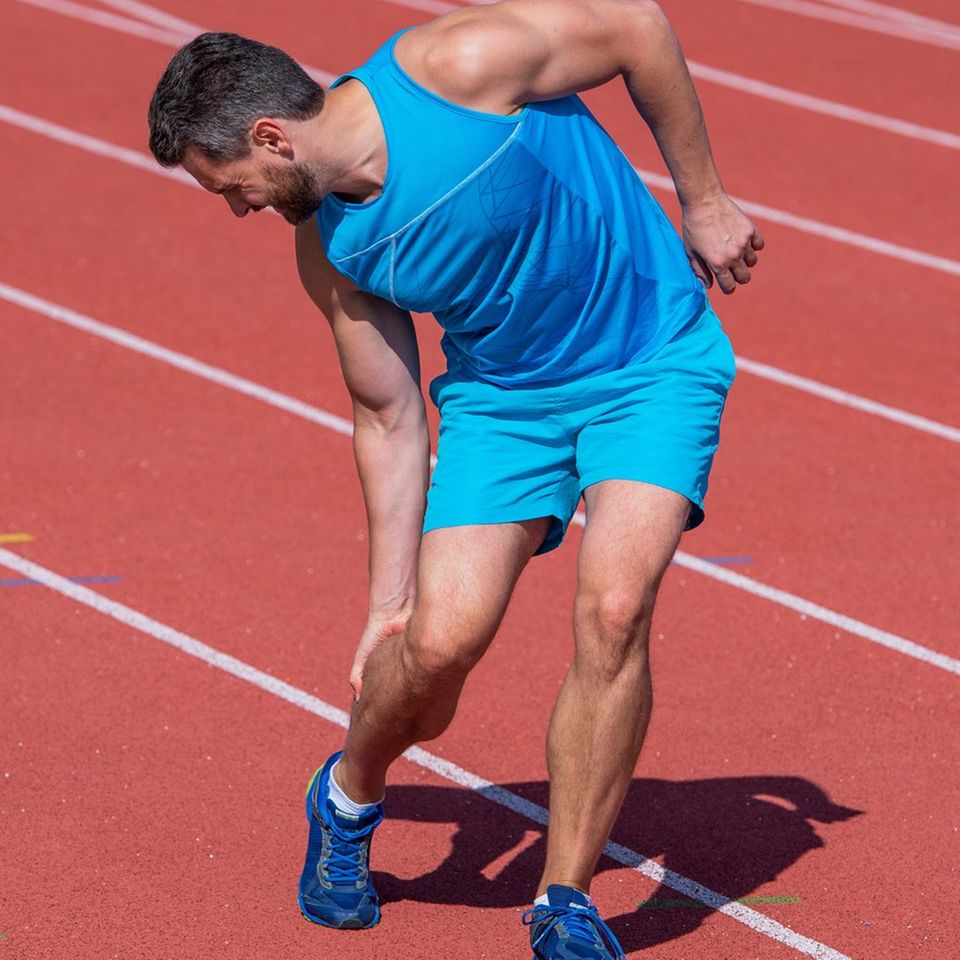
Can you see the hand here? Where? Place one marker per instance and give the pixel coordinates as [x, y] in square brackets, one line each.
[721, 241]
[378, 629]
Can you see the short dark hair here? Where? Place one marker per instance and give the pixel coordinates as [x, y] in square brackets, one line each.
[216, 87]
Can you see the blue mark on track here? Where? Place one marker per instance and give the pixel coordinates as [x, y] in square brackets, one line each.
[728, 561]
[23, 582]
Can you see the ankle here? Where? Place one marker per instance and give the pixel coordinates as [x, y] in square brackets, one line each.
[353, 792]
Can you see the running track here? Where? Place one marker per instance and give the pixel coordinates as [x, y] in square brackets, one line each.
[150, 801]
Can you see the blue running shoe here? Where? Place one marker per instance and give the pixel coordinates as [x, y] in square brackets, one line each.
[569, 928]
[335, 888]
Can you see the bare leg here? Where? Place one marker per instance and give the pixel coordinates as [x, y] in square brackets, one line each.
[412, 683]
[603, 709]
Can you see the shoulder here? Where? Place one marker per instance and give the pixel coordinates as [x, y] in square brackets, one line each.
[498, 56]
[475, 56]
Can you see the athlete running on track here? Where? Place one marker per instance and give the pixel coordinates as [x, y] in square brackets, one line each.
[457, 173]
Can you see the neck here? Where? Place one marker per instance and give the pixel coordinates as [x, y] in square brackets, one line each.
[349, 136]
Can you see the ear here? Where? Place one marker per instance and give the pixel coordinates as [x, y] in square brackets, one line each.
[271, 135]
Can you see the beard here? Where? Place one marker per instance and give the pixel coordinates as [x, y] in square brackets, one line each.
[296, 192]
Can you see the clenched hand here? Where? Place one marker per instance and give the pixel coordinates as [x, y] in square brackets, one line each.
[721, 241]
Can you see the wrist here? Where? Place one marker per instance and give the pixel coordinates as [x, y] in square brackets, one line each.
[394, 608]
[701, 198]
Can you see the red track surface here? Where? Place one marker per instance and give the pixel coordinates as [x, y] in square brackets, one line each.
[151, 804]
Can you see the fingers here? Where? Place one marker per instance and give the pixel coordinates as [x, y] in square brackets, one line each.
[702, 269]
[726, 281]
[356, 681]
[740, 272]
[737, 272]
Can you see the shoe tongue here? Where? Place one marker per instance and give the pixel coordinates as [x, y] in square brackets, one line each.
[561, 896]
[348, 821]
[352, 823]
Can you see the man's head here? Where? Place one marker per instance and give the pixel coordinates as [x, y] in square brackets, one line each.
[224, 109]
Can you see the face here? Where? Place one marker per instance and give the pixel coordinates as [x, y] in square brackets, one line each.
[252, 184]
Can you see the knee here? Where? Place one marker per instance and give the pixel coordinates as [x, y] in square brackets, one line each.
[618, 613]
[612, 627]
[434, 652]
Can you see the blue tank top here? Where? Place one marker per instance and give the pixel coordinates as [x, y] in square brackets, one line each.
[529, 237]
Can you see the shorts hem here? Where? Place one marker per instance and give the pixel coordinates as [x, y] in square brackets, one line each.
[552, 539]
[697, 513]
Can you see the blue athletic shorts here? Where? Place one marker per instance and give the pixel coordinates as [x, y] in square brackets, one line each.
[518, 454]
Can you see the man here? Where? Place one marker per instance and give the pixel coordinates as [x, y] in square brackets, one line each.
[457, 173]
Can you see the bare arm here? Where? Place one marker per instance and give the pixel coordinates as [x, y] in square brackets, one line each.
[501, 56]
[378, 354]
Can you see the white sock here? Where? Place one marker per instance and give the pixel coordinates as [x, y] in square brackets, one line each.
[343, 803]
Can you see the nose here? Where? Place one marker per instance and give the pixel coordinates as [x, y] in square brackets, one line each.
[238, 207]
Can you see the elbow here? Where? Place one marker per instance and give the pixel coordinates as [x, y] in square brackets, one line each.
[395, 420]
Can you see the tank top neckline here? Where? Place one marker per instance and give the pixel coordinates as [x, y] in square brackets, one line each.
[358, 206]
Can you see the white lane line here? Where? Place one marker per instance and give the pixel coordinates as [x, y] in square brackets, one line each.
[845, 399]
[818, 228]
[921, 33]
[725, 78]
[885, 11]
[829, 108]
[444, 768]
[807, 609]
[802, 224]
[289, 404]
[147, 31]
[173, 358]
[112, 21]
[73, 138]
[770, 91]
[151, 14]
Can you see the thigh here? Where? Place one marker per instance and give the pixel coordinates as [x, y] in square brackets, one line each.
[631, 534]
[466, 577]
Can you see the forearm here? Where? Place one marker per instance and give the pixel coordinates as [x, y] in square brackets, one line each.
[393, 463]
[658, 80]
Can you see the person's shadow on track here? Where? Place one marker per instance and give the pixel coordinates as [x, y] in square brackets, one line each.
[731, 834]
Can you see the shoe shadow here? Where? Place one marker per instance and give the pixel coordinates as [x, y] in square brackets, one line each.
[731, 834]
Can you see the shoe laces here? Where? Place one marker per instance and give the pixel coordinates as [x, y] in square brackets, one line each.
[344, 859]
[579, 923]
